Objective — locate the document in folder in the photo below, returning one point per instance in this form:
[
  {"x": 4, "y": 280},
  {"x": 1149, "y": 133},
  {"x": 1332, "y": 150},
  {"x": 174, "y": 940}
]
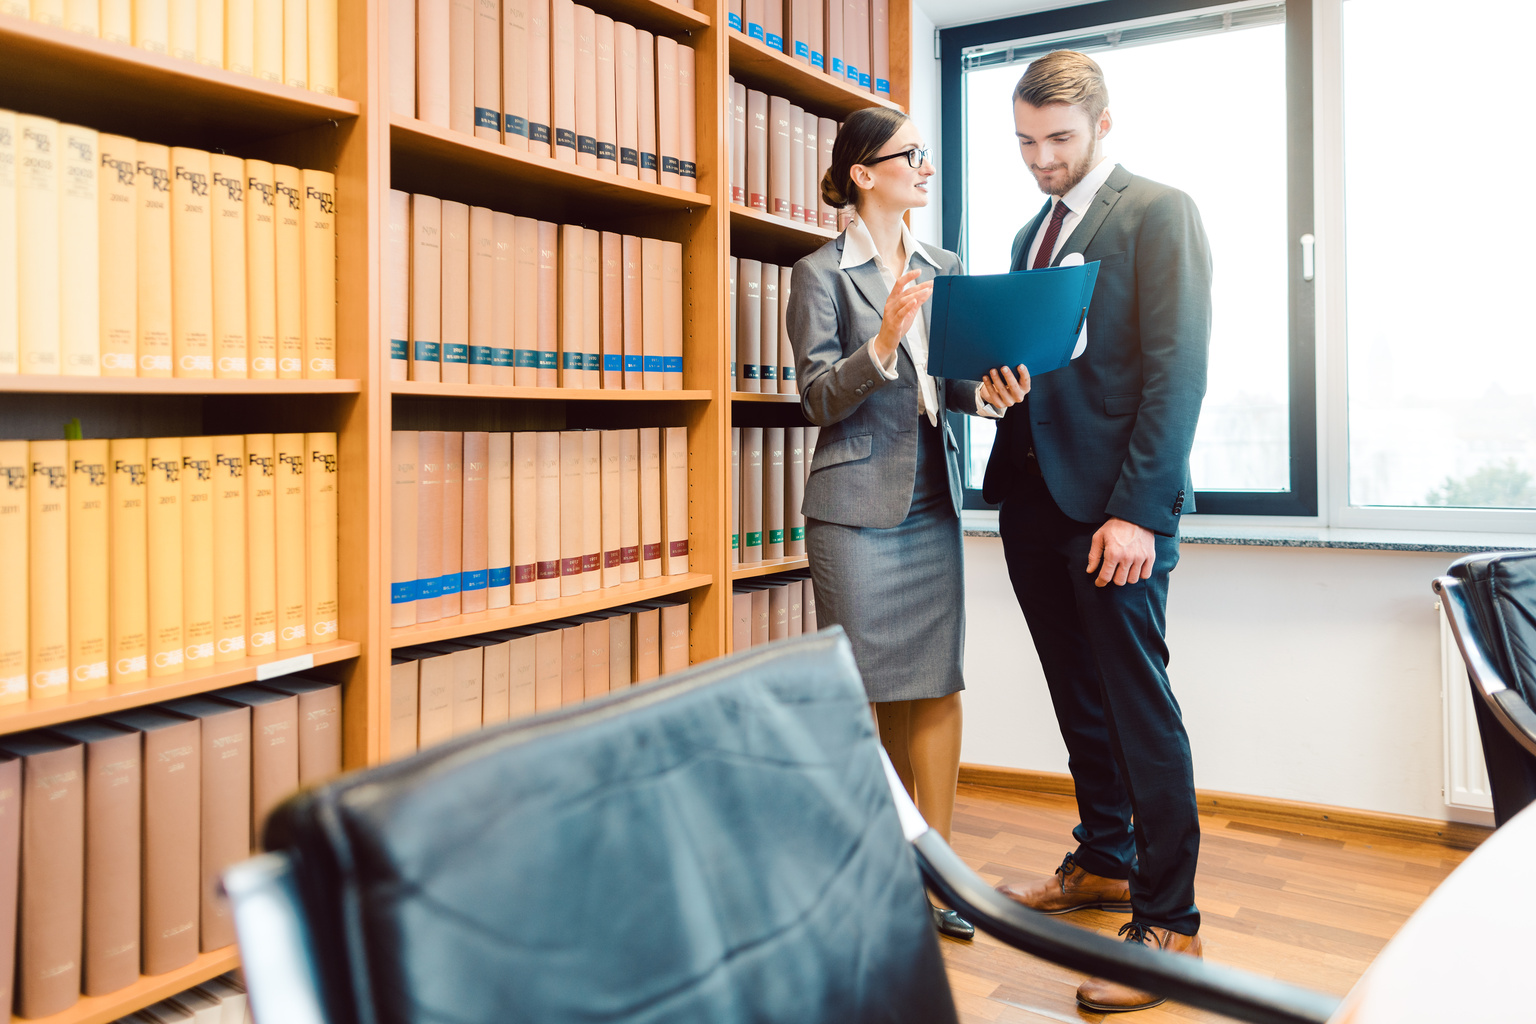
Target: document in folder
[{"x": 1030, "y": 316}]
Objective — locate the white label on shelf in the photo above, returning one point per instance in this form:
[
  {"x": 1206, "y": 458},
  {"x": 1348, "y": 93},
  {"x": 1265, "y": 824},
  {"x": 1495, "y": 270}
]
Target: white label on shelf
[{"x": 273, "y": 669}]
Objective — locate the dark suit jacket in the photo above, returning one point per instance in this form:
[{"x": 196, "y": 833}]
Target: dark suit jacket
[{"x": 1112, "y": 431}]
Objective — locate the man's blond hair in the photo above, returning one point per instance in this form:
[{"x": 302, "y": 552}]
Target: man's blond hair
[{"x": 1064, "y": 76}]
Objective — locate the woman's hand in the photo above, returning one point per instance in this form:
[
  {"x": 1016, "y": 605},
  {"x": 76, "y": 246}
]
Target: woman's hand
[
  {"x": 1001, "y": 389},
  {"x": 901, "y": 309}
]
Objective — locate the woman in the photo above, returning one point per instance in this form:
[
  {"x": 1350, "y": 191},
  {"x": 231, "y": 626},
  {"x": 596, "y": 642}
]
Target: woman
[{"x": 882, "y": 502}]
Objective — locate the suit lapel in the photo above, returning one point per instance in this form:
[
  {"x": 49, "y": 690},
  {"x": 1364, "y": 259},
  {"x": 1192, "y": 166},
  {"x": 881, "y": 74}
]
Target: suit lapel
[
  {"x": 1104, "y": 200},
  {"x": 867, "y": 280}
]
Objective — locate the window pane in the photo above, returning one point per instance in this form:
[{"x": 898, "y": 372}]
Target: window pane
[
  {"x": 1226, "y": 148},
  {"x": 1442, "y": 369}
]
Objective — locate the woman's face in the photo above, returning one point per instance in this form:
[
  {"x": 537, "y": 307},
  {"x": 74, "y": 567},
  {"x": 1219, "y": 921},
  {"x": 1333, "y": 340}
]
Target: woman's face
[{"x": 895, "y": 184}]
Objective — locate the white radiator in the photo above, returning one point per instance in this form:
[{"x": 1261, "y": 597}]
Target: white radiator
[{"x": 1466, "y": 777}]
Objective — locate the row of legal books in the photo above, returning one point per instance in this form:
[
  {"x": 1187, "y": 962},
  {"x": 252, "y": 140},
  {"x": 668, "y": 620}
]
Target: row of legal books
[
  {"x": 849, "y": 40},
  {"x": 288, "y": 41},
  {"x": 762, "y": 359},
  {"x": 486, "y": 520},
  {"x": 218, "y": 1000},
  {"x": 481, "y": 297},
  {"x": 122, "y": 258},
  {"x": 135, "y": 558},
  {"x": 769, "y": 467},
  {"x": 772, "y": 608},
  {"x": 778, "y": 155},
  {"x": 550, "y": 78},
  {"x": 122, "y": 825},
  {"x": 439, "y": 691}
]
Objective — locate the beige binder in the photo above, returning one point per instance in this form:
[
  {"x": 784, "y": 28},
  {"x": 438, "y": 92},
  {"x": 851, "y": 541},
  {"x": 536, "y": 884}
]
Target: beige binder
[
  {"x": 402, "y": 527},
  {"x": 525, "y": 312},
  {"x": 401, "y": 30},
  {"x": 498, "y": 484},
  {"x": 152, "y": 26},
  {"x": 749, "y": 326},
  {"x": 794, "y": 492},
  {"x": 735, "y": 496},
  {"x": 79, "y": 258},
  {"x": 607, "y": 97},
  {"x": 584, "y": 24},
  {"x": 10, "y": 321},
  {"x": 191, "y": 263},
  {"x": 426, "y": 288},
  {"x": 239, "y": 35},
  {"x": 645, "y": 78},
  {"x": 592, "y": 510},
  {"x": 773, "y": 493},
  {"x": 197, "y": 552},
  {"x": 768, "y": 330},
  {"x": 461, "y": 66},
  {"x": 687, "y": 122},
  {"x": 15, "y": 472},
  {"x": 595, "y": 666},
  {"x": 634, "y": 319},
  {"x": 429, "y": 525},
  {"x": 48, "y": 568},
  {"x": 432, "y": 61},
  {"x": 503, "y": 310},
  {"x": 260, "y": 544},
  {"x": 525, "y": 516},
  {"x": 562, "y": 87},
  {"x": 546, "y": 669},
  {"x": 164, "y": 555},
  {"x": 514, "y": 74},
  {"x": 573, "y": 664},
  {"x": 674, "y": 637},
  {"x": 652, "y": 315},
  {"x": 396, "y": 284},
  {"x": 672, "y": 315},
  {"x": 880, "y": 47},
  {"x": 811, "y": 196},
  {"x": 572, "y": 306},
  {"x": 826, "y": 135},
  {"x": 227, "y": 196},
  {"x": 295, "y": 43},
  {"x": 152, "y": 184},
  {"x": 627, "y": 92},
  {"x": 612, "y": 508},
  {"x": 229, "y": 578},
  {"x": 591, "y": 308},
  {"x": 738, "y": 147},
  {"x": 621, "y": 667},
  {"x": 475, "y": 528},
  {"x": 650, "y": 503},
  {"x": 645, "y": 643},
  {"x": 267, "y": 47},
  {"x": 321, "y": 485},
  {"x": 757, "y": 150},
  {"x": 450, "y": 593},
  {"x": 487, "y": 69},
  {"x": 752, "y": 494},
  {"x": 89, "y": 564},
  {"x": 668, "y": 111},
  {"x": 796, "y": 163},
  {"x": 319, "y": 273},
  {"x": 548, "y": 536},
  {"x": 572, "y": 512},
  {"x": 788, "y": 383},
  {"x": 539, "y": 115},
  {"x": 629, "y": 505},
  {"x": 522, "y": 656},
  {"x": 455, "y": 294},
  {"x": 290, "y": 459},
  {"x": 289, "y": 249},
  {"x": 128, "y": 640},
  {"x": 261, "y": 269},
  {"x": 434, "y": 721},
  {"x": 779, "y": 156},
  {"x": 612, "y": 310},
  {"x": 482, "y": 294},
  {"x": 404, "y": 680},
  {"x": 37, "y": 242},
  {"x": 674, "y": 552},
  {"x": 549, "y": 304}
]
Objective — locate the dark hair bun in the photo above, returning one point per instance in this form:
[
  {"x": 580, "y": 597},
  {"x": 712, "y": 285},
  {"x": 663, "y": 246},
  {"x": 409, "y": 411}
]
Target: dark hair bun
[{"x": 858, "y": 142}]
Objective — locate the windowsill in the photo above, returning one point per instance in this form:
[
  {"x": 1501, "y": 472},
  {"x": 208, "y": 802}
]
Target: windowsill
[{"x": 982, "y": 523}]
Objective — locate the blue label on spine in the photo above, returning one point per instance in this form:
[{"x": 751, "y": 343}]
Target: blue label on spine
[
  {"x": 655, "y": 364},
  {"x": 480, "y": 355},
  {"x": 669, "y": 165},
  {"x": 485, "y": 118},
  {"x": 565, "y": 137},
  {"x": 501, "y": 357},
  {"x": 546, "y": 360},
  {"x": 613, "y": 363},
  {"x": 768, "y": 371},
  {"x": 688, "y": 169},
  {"x": 630, "y": 157},
  {"x": 755, "y": 30},
  {"x": 594, "y": 360},
  {"x": 501, "y": 577},
  {"x": 525, "y": 357},
  {"x": 749, "y": 371},
  {"x": 449, "y": 583},
  {"x": 586, "y": 144},
  {"x": 399, "y": 349},
  {"x": 837, "y": 67},
  {"x": 572, "y": 361},
  {"x": 852, "y": 74},
  {"x": 883, "y": 86},
  {"x": 632, "y": 364},
  {"x": 538, "y": 132},
  {"x": 672, "y": 364},
  {"x": 402, "y": 593},
  {"x": 456, "y": 354},
  {"x": 607, "y": 151},
  {"x": 517, "y": 125},
  {"x": 802, "y": 50},
  {"x": 775, "y": 42},
  {"x": 428, "y": 352},
  {"x": 786, "y": 373},
  {"x": 647, "y": 161},
  {"x": 477, "y": 580},
  {"x": 733, "y": 20},
  {"x": 817, "y": 60},
  {"x": 863, "y": 80},
  {"x": 427, "y": 588}
]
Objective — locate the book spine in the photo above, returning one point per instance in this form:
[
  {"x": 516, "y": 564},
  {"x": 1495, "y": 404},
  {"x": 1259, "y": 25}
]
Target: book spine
[
  {"x": 288, "y": 249},
  {"x": 632, "y": 300},
  {"x": 89, "y": 530},
  {"x": 796, "y": 163},
  {"x": 475, "y": 525},
  {"x": 230, "y": 317},
  {"x": 668, "y": 112},
  {"x": 768, "y": 330},
  {"x": 627, "y": 89},
  {"x": 239, "y": 34},
  {"x": 267, "y": 46},
  {"x": 773, "y": 24},
  {"x": 435, "y": 700},
  {"x": 572, "y": 512},
  {"x": 461, "y": 66},
  {"x": 321, "y": 480},
  {"x": 116, "y": 22},
  {"x": 197, "y": 552},
  {"x": 291, "y": 537},
  {"x": 880, "y": 48},
  {"x": 172, "y": 845},
  {"x": 621, "y": 666},
  {"x": 225, "y": 826},
  {"x": 165, "y": 556},
  {"x": 794, "y": 492},
  {"x": 733, "y": 17},
  {"x": 645, "y": 78},
  {"x": 152, "y": 185},
  {"x": 426, "y": 288},
  {"x": 741, "y": 621},
  {"x": 629, "y": 506},
  {"x": 525, "y": 516},
  {"x": 181, "y": 20},
  {"x": 319, "y": 721},
  {"x": 612, "y": 310},
  {"x": 760, "y": 615},
  {"x": 539, "y": 118},
  {"x": 546, "y": 670},
  {"x": 749, "y": 305},
  {"x": 674, "y": 637},
  {"x": 652, "y": 315},
  {"x": 324, "y": 47},
  {"x": 402, "y": 57},
  {"x": 260, "y": 545},
  {"x": 402, "y": 527},
  {"x": 10, "y": 326},
  {"x": 752, "y": 494},
  {"x": 735, "y": 496},
  {"x": 52, "y": 890},
  {"x": 503, "y": 300},
  {"x": 778, "y": 612},
  {"x": 788, "y": 383},
  {"x": 397, "y": 284},
  {"x": 752, "y": 13},
  {"x": 261, "y": 269},
  {"x": 594, "y": 669},
  {"x": 15, "y": 504},
  {"x": 584, "y": 33},
  {"x": 498, "y": 482},
  {"x": 547, "y": 372},
  {"x": 480, "y": 295},
  {"x": 573, "y": 358},
  {"x": 114, "y": 770},
  {"x": 796, "y": 590},
  {"x": 672, "y": 316},
  {"x": 826, "y": 135},
  {"x": 733, "y": 316},
  {"x": 611, "y": 486},
  {"x": 319, "y": 274},
  {"x": 798, "y": 37},
  {"x": 433, "y": 59},
  {"x": 525, "y": 312},
  {"x": 592, "y": 510},
  {"x": 274, "y": 758},
  {"x": 548, "y": 539},
  {"x": 429, "y": 524},
  {"x": 48, "y": 568},
  {"x": 650, "y": 503},
  {"x": 757, "y": 150},
  {"x": 152, "y": 25},
  {"x": 832, "y": 34},
  {"x": 295, "y": 43},
  {"x": 37, "y": 243},
  {"x": 210, "y": 33},
  {"x": 79, "y": 254},
  {"x": 229, "y": 579},
  {"x": 607, "y": 97},
  {"x": 468, "y": 667},
  {"x": 646, "y": 644},
  {"x": 404, "y": 681},
  {"x": 674, "y": 553},
  {"x": 687, "y": 122},
  {"x": 451, "y": 579},
  {"x": 191, "y": 263},
  {"x": 773, "y": 493},
  {"x": 779, "y": 153},
  {"x": 591, "y": 308},
  {"x": 128, "y": 643},
  {"x": 514, "y": 74},
  {"x": 739, "y": 144},
  {"x": 811, "y": 197},
  {"x": 573, "y": 664},
  {"x": 562, "y": 31}
]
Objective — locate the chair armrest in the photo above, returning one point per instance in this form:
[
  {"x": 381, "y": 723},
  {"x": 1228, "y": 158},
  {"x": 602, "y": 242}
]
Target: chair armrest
[
  {"x": 275, "y": 951},
  {"x": 1506, "y": 704}
]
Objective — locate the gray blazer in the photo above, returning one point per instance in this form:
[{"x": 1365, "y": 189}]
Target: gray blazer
[
  {"x": 1112, "y": 432},
  {"x": 865, "y": 464}
]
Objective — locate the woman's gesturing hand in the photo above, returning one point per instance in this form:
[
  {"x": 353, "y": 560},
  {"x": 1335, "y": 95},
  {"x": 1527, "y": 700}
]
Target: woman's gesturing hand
[
  {"x": 901, "y": 309},
  {"x": 1002, "y": 391}
]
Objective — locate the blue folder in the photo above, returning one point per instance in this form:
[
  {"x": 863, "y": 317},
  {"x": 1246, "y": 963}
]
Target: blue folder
[{"x": 985, "y": 321}]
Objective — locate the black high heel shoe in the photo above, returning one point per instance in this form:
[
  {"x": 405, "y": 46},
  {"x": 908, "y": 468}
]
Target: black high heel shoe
[{"x": 952, "y": 924}]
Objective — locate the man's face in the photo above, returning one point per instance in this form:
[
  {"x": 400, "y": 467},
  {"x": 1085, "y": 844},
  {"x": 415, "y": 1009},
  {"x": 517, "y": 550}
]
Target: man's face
[{"x": 1058, "y": 142}]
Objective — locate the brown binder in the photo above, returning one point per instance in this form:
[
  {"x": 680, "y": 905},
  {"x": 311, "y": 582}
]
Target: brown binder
[
  {"x": 455, "y": 293},
  {"x": 796, "y": 164},
  {"x": 274, "y": 749},
  {"x": 796, "y": 590},
  {"x": 621, "y": 667},
  {"x": 434, "y": 715},
  {"x": 592, "y": 510},
  {"x": 627, "y": 90},
  {"x": 476, "y": 538},
  {"x": 741, "y": 620},
  {"x": 114, "y": 780},
  {"x": 788, "y": 384},
  {"x": 768, "y": 331},
  {"x": 780, "y": 156},
  {"x": 778, "y": 612},
  {"x": 573, "y": 664},
  {"x": 645, "y": 76},
  {"x": 794, "y": 492},
  {"x": 403, "y": 681},
  {"x": 826, "y": 135},
  {"x": 319, "y": 725},
  {"x": 738, "y": 149},
  {"x": 585, "y": 24},
  {"x": 547, "y": 535},
  {"x": 674, "y": 637},
  {"x": 449, "y": 592},
  {"x": 226, "y": 806},
  {"x": 811, "y": 198},
  {"x": 562, "y": 31},
  {"x": 773, "y": 493},
  {"x": 646, "y": 644},
  {"x": 757, "y": 150},
  {"x": 607, "y": 97},
  {"x": 674, "y": 466},
  {"x": 752, "y": 494},
  {"x": 10, "y": 876},
  {"x": 429, "y": 524},
  {"x": 749, "y": 325}
]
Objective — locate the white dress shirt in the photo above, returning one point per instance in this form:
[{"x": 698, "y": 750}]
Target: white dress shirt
[{"x": 859, "y": 249}]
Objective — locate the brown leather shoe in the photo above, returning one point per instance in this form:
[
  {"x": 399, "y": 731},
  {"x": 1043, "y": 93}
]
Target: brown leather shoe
[
  {"x": 1072, "y": 888},
  {"x": 1112, "y": 997}
]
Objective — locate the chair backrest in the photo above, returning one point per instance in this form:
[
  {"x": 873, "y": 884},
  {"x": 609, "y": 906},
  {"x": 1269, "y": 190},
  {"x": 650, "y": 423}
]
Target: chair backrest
[
  {"x": 1490, "y": 603},
  {"x": 718, "y": 846}
]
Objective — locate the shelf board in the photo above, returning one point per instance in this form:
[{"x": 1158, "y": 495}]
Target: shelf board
[
  {"x": 60, "y": 385},
  {"x": 761, "y": 235},
  {"x": 781, "y": 75},
  {"x": 437, "y": 161},
  {"x": 430, "y": 389},
  {"x": 42, "y": 712},
  {"x": 117, "y": 87},
  {"x": 150, "y": 988},
  {"x": 751, "y": 570},
  {"x": 544, "y": 611},
  {"x": 653, "y": 14},
  {"x": 749, "y": 396}
]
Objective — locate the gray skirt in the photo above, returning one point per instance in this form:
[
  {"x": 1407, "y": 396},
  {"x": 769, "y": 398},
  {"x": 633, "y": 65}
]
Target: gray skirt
[{"x": 899, "y": 593}]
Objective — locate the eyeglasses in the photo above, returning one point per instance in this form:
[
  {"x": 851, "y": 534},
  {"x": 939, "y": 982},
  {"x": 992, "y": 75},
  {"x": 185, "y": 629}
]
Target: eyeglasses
[{"x": 915, "y": 158}]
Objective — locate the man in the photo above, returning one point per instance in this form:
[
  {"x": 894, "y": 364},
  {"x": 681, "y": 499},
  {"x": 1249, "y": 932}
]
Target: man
[{"x": 1092, "y": 471}]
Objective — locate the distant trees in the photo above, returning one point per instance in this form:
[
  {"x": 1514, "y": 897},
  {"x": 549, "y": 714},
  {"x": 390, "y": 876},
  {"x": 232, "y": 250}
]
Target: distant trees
[{"x": 1497, "y": 485}]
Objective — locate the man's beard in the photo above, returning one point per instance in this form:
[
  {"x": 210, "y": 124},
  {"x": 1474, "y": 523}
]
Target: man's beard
[{"x": 1075, "y": 174}]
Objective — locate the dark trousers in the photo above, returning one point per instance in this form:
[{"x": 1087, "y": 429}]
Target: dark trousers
[{"x": 1106, "y": 664}]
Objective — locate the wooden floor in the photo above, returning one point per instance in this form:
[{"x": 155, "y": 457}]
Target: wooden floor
[{"x": 1311, "y": 909}]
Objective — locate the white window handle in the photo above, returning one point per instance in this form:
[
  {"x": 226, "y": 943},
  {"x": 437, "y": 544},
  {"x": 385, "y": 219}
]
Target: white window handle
[{"x": 1308, "y": 256}]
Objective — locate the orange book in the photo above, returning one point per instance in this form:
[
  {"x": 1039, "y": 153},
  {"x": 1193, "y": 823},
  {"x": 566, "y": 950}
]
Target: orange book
[
  {"x": 480, "y": 292},
  {"x": 429, "y": 524},
  {"x": 396, "y": 274},
  {"x": 227, "y": 196},
  {"x": 290, "y": 535},
  {"x": 164, "y": 553},
  {"x": 584, "y": 23},
  {"x": 197, "y": 551},
  {"x": 629, "y": 506},
  {"x": 15, "y": 473},
  {"x": 592, "y": 510},
  {"x": 79, "y": 237},
  {"x": 48, "y": 568},
  {"x": 612, "y": 306},
  {"x": 461, "y": 66},
  {"x": 548, "y": 536},
  {"x": 128, "y": 640},
  {"x": 538, "y": 78},
  {"x": 687, "y": 121},
  {"x": 191, "y": 262},
  {"x": 632, "y": 300},
  {"x": 573, "y": 359},
  {"x": 402, "y": 527},
  {"x": 474, "y": 527},
  {"x": 591, "y": 309},
  {"x": 672, "y": 316},
  {"x": 514, "y": 74},
  {"x": 607, "y": 97},
  {"x": 89, "y": 530},
  {"x": 288, "y": 250},
  {"x": 295, "y": 43},
  {"x": 645, "y": 77},
  {"x": 426, "y": 288},
  {"x": 229, "y": 580},
  {"x": 549, "y": 304},
  {"x": 455, "y": 293},
  {"x": 261, "y": 269},
  {"x": 650, "y": 502},
  {"x": 260, "y": 545},
  {"x": 562, "y": 79},
  {"x": 152, "y": 185},
  {"x": 450, "y": 582},
  {"x": 572, "y": 512},
  {"x": 525, "y": 516},
  {"x": 525, "y": 310},
  {"x": 626, "y": 90},
  {"x": 37, "y": 242},
  {"x": 319, "y": 273},
  {"x": 652, "y": 314},
  {"x": 668, "y": 111},
  {"x": 117, "y": 222},
  {"x": 503, "y": 303},
  {"x": 321, "y": 481}
]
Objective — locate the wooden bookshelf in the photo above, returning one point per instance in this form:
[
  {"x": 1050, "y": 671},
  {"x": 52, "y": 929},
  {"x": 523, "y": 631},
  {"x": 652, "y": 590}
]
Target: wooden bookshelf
[
  {"x": 777, "y": 74},
  {"x": 663, "y": 16},
  {"x": 752, "y": 570},
  {"x": 762, "y": 236},
  {"x": 775, "y": 399},
  {"x": 150, "y": 988},
  {"x": 39, "y": 384},
  {"x": 429, "y": 389}
]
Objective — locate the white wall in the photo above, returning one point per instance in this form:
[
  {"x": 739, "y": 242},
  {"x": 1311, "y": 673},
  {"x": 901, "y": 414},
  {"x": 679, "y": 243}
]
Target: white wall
[
  {"x": 1303, "y": 673},
  {"x": 928, "y": 222}
]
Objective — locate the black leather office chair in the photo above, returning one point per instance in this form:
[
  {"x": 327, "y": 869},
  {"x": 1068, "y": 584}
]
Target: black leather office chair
[
  {"x": 723, "y": 845},
  {"x": 1490, "y": 603}
]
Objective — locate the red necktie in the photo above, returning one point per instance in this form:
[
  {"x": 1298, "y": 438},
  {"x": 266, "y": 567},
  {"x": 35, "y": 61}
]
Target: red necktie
[{"x": 1052, "y": 232}]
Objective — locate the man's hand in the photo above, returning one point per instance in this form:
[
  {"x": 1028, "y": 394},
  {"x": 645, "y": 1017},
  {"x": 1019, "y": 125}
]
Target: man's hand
[{"x": 1126, "y": 551}]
